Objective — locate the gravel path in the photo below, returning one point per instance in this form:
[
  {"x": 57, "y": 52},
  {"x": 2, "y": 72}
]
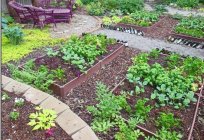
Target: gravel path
[
  {"x": 78, "y": 24},
  {"x": 172, "y": 11},
  {"x": 146, "y": 44}
]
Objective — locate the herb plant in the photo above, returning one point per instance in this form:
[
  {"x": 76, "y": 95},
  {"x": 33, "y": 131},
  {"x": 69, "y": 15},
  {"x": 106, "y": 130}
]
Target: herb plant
[
  {"x": 14, "y": 34},
  {"x": 42, "y": 119},
  {"x": 14, "y": 115},
  {"x": 167, "y": 120},
  {"x": 5, "y": 97},
  {"x": 19, "y": 102}
]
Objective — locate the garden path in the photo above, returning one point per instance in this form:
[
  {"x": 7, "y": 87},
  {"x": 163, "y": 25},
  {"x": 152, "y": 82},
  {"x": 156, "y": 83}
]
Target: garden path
[
  {"x": 146, "y": 44},
  {"x": 172, "y": 11},
  {"x": 78, "y": 25}
]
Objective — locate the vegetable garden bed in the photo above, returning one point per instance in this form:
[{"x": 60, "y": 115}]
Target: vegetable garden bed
[
  {"x": 19, "y": 128},
  {"x": 68, "y": 67},
  {"x": 140, "y": 103}
]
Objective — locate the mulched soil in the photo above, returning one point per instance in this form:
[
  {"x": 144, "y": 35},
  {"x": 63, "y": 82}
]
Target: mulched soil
[
  {"x": 112, "y": 75},
  {"x": 84, "y": 95},
  {"x": 198, "y": 132},
  {"x": 19, "y": 130},
  {"x": 71, "y": 71}
]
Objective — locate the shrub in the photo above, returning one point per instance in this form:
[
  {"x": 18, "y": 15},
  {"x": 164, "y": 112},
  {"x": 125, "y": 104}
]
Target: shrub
[
  {"x": 95, "y": 8},
  {"x": 187, "y": 3},
  {"x": 14, "y": 34},
  {"x": 130, "y": 6}
]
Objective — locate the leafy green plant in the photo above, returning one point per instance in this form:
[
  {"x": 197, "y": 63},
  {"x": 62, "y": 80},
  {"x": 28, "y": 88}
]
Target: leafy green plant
[
  {"x": 42, "y": 119},
  {"x": 59, "y": 73},
  {"x": 51, "y": 52},
  {"x": 14, "y": 115},
  {"x": 173, "y": 87},
  {"x": 5, "y": 97},
  {"x": 130, "y": 6},
  {"x": 167, "y": 120},
  {"x": 41, "y": 78},
  {"x": 154, "y": 53},
  {"x": 14, "y": 34},
  {"x": 164, "y": 134},
  {"x": 142, "y": 110},
  {"x": 95, "y": 8},
  {"x": 160, "y": 8},
  {"x": 127, "y": 131},
  {"x": 19, "y": 102},
  {"x": 187, "y": 3},
  {"x": 173, "y": 60},
  {"x": 107, "y": 109}
]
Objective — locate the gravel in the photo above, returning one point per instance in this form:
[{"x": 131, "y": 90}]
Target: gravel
[
  {"x": 78, "y": 24},
  {"x": 147, "y": 44}
]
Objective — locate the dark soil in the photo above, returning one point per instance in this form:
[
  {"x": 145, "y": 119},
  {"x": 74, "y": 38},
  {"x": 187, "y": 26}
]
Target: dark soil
[
  {"x": 70, "y": 70},
  {"x": 84, "y": 95},
  {"x": 198, "y": 132},
  {"x": 19, "y": 130}
]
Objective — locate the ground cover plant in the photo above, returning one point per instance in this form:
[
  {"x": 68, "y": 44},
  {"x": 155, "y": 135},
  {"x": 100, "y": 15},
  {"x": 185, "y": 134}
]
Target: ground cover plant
[
  {"x": 32, "y": 39},
  {"x": 140, "y": 18},
  {"x": 101, "y": 7},
  {"x": 166, "y": 107},
  {"x": 28, "y": 121},
  {"x": 75, "y": 57},
  {"x": 192, "y": 26},
  {"x": 183, "y": 3}
]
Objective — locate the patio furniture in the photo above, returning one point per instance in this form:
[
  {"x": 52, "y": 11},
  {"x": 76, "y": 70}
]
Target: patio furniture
[
  {"x": 62, "y": 8},
  {"x": 41, "y": 16},
  {"x": 22, "y": 13}
]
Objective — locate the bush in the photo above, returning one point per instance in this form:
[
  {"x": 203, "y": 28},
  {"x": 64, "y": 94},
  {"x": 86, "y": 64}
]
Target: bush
[
  {"x": 14, "y": 34},
  {"x": 187, "y": 3},
  {"x": 95, "y": 9},
  {"x": 130, "y": 6}
]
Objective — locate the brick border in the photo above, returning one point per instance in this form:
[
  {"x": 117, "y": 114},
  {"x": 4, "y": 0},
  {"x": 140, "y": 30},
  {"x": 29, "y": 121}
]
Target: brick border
[{"x": 70, "y": 122}]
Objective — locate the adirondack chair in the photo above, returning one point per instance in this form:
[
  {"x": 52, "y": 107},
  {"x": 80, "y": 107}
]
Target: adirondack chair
[
  {"x": 63, "y": 9},
  {"x": 22, "y": 13},
  {"x": 41, "y": 16}
]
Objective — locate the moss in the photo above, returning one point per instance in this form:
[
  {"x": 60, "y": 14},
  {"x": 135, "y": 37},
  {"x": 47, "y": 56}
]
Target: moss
[{"x": 34, "y": 38}]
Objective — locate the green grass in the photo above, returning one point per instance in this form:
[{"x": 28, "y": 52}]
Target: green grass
[
  {"x": 33, "y": 39},
  {"x": 191, "y": 32}
]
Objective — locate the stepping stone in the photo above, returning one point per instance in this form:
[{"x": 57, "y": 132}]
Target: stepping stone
[
  {"x": 35, "y": 96},
  {"x": 5, "y": 80},
  {"x": 70, "y": 122},
  {"x": 16, "y": 87},
  {"x": 85, "y": 134},
  {"x": 54, "y": 104}
]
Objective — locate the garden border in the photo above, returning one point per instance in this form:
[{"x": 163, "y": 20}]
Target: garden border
[
  {"x": 195, "y": 39},
  {"x": 70, "y": 122},
  {"x": 64, "y": 89}
]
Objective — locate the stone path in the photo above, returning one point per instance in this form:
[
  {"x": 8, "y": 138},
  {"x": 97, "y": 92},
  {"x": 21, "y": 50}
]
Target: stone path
[
  {"x": 67, "y": 120},
  {"x": 173, "y": 11},
  {"x": 77, "y": 25},
  {"x": 146, "y": 44}
]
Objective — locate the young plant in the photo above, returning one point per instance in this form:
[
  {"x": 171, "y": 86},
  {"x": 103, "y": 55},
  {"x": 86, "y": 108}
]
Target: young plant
[
  {"x": 164, "y": 134},
  {"x": 14, "y": 34},
  {"x": 142, "y": 110},
  {"x": 154, "y": 53},
  {"x": 51, "y": 52},
  {"x": 167, "y": 121},
  {"x": 42, "y": 119},
  {"x": 19, "y": 102},
  {"x": 173, "y": 60},
  {"x": 59, "y": 73},
  {"x": 14, "y": 115},
  {"x": 5, "y": 97}
]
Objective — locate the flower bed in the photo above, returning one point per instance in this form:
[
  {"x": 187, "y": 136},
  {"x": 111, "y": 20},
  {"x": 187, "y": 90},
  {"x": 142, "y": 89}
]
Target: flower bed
[
  {"x": 68, "y": 67},
  {"x": 158, "y": 94},
  {"x": 15, "y": 119}
]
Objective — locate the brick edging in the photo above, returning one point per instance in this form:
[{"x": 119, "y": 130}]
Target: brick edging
[{"x": 70, "y": 122}]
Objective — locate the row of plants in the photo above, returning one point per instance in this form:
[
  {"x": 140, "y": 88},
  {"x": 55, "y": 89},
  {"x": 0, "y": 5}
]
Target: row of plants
[
  {"x": 174, "y": 83},
  {"x": 112, "y": 7},
  {"x": 140, "y": 18},
  {"x": 192, "y": 26},
  {"x": 78, "y": 53},
  {"x": 38, "y": 119}
]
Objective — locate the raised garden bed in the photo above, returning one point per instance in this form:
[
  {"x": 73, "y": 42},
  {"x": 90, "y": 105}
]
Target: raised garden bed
[
  {"x": 19, "y": 129},
  {"x": 68, "y": 67},
  {"x": 185, "y": 114}
]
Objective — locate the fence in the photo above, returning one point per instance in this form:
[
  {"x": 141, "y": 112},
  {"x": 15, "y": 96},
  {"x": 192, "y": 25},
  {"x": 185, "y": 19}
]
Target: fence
[{"x": 4, "y": 6}]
